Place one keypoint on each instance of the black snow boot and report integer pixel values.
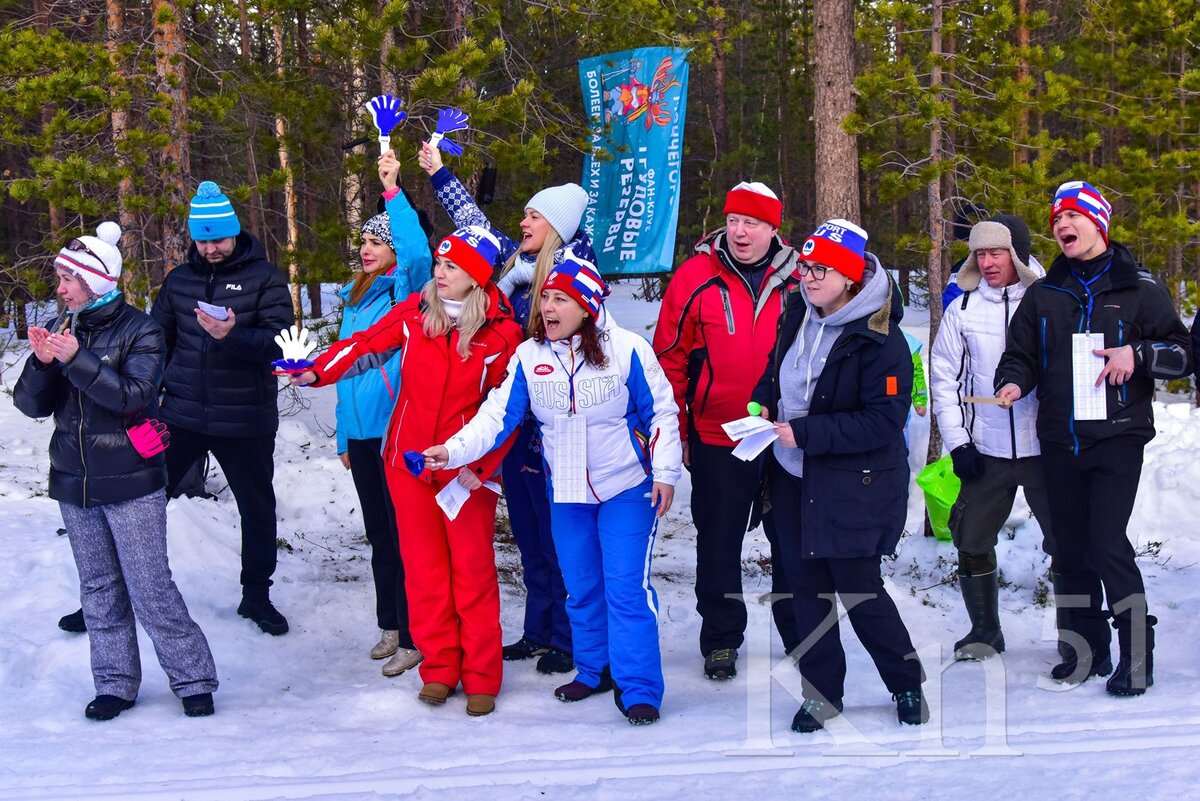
(73, 622)
(981, 597)
(1135, 670)
(1088, 637)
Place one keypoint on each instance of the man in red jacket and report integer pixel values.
(715, 329)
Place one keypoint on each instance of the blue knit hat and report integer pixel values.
(839, 244)
(212, 216)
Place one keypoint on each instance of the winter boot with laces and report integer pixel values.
(721, 664)
(911, 708)
(981, 597)
(813, 714)
(1135, 669)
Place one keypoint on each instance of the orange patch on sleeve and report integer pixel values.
(893, 385)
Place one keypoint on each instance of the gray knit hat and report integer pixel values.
(562, 206)
(1001, 231)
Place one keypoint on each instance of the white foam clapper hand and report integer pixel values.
(294, 343)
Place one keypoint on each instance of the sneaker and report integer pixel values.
(106, 707)
(721, 664)
(73, 622)
(389, 641)
(577, 690)
(911, 708)
(404, 659)
(479, 704)
(265, 615)
(198, 706)
(523, 649)
(435, 693)
(642, 715)
(555, 661)
(813, 714)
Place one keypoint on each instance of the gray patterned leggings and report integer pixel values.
(121, 554)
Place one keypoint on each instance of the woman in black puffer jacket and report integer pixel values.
(100, 382)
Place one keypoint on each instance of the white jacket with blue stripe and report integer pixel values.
(632, 419)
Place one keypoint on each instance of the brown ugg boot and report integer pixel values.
(435, 693)
(479, 704)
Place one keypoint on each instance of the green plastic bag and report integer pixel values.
(941, 488)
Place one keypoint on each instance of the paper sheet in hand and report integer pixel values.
(570, 459)
(454, 495)
(1091, 401)
(736, 429)
(216, 312)
(752, 445)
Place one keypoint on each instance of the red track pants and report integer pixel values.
(450, 579)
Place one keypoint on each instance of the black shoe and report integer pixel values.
(555, 661)
(910, 708)
(73, 622)
(106, 707)
(577, 690)
(523, 649)
(642, 715)
(1070, 670)
(1135, 669)
(721, 664)
(981, 597)
(198, 706)
(265, 615)
(813, 714)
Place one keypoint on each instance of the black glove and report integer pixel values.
(968, 463)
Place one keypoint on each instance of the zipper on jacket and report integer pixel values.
(1012, 414)
(82, 459)
(728, 310)
(1123, 390)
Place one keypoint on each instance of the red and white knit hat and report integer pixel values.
(839, 244)
(754, 200)
(95, 260)
(473, 249)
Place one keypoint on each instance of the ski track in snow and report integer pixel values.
(307, 715)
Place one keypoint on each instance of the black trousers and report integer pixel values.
(873, 615)
(1091, 498)
(249, 467)
(724, 492)
(985, 503)
(379, 520)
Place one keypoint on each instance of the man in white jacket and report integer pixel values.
(995, 448)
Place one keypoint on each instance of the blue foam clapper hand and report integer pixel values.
(385, 111)
(451, 147)
(451, 120)
(415, 462)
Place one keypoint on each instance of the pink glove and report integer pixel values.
(149, 437)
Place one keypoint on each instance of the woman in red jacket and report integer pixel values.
(456, 338)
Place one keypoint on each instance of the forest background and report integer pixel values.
(914, 117)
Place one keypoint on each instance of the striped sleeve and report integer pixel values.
(653, 400)
(369, 349)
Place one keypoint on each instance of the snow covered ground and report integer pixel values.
(308, 715)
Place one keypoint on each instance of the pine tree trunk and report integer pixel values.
(170, 52)
(254, 203)
(130, 270)
(1021, 155)
(836, 151)
(290, 201)
(937, 223)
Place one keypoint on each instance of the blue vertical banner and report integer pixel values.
(635, 103)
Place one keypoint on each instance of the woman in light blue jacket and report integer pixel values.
(395, 263)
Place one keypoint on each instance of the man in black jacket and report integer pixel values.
(219, 395)
(100, 383)
(1093, 462)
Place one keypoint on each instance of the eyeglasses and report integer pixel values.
(817, 270)
(77, 245)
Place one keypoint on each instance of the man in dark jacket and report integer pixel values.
(218, 390)
(716, 326)
(100, 383)
(1093, 462)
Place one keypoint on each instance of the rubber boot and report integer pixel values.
(1089, 639)
(981, 595)
(1135, 670)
